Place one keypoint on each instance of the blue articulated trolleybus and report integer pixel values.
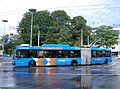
(60, 54)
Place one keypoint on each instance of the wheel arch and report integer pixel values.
(106, 61)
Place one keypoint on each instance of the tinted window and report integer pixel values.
(108, 53)
(60, 53)
(93, 54)
(71, 53)
(52, 53)
(22, 53)
(101, 53)
(77, 53)
(33, 53)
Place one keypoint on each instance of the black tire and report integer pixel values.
(106, 61)
(74, 63)
(32, 64)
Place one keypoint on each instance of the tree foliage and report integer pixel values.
(9, 43)
(58, 27)
(106, 36)
(78, 22)
(60, 18)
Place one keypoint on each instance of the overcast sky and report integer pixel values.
(96, 12)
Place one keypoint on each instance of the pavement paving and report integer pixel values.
(62, 77)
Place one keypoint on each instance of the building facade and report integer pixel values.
(116, 47)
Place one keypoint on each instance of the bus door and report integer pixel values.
(85, 56)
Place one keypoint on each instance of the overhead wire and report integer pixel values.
(94, 7)
(69, 8)
(104, 12)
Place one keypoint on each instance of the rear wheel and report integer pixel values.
(32, 64)
(74, 63)
(106, 61)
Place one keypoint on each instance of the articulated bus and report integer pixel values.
(60, 54)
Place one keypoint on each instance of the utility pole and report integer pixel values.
(81, 37)
(88, 40)
(32, 11)
(38, 38)
(3, 49)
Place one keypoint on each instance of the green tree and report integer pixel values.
(106, 36)
(78, 25)
(8, 44)
(52, 26)
(65, 36)
(59, 20)
(78, 22)
(24, 28)
(58, 27)
(9, 48)
(41, 21)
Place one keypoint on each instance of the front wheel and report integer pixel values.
(32, 64)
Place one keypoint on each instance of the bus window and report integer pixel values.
(46, 53)
(93, 53)
(52, 53)
(100, 54)
(77, 53)
(59, 53)
(22, 54)
(72, 54)
(33, 53)
(66, 53)
(40, 54)
(97, 53)
(103, 53)
(107, 53)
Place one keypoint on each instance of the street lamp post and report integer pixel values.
(32, 11)
(38, 38)
(39, 35)
(81, 35)
(3, 37)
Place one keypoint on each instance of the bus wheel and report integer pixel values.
(32, 64)
(106, 61)
(74, 63)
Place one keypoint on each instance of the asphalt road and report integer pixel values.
(62, 77)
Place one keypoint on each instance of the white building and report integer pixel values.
(116, 48)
